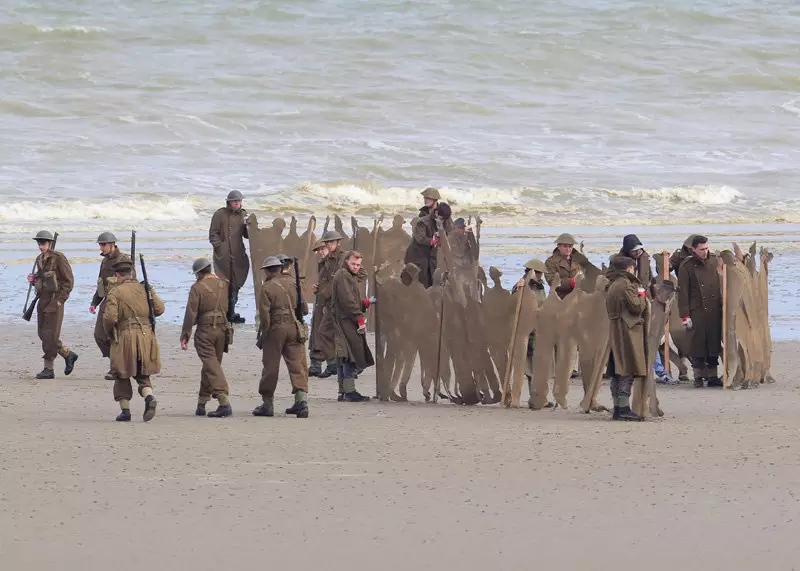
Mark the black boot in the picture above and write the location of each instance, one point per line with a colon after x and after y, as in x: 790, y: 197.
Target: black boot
x: 625, y: 413
x: 109, y: 376
x: 300, y: 409
x: 264, y: 410
x: 69, y: 361
x: 329, y: 371
x: 46, y: 374
x: 200, y: 410
x: 149, y: 408
x: 615, y: 416
x: 341, y: 397
x: 714, y: 382
x: 222, y: 411
x: 124, y: 416
x: 354, y: 396
x: 238, y: 319
x: 699, y: 382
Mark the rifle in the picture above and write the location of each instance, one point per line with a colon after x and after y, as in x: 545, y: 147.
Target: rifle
x: 27, y: 311
x: 150, y: 306
x: 133, y: 245
x: 298, y: 309
x: 231, y: 300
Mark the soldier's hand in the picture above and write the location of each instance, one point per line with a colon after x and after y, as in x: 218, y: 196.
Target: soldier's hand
x: 92, y: 309
x: 362, y: 326
x: 184, y: 344
x: 520, y: 283
x: 315, y: 288
x: 31, y: 278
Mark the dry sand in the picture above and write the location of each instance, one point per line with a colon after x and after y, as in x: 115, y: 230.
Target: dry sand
x: 713, y: 485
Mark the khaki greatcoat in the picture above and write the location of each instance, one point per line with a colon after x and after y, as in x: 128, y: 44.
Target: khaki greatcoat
x: 700, y: 297
x: 629, y: 317
x: 226, y: 234
x: 347, y: 310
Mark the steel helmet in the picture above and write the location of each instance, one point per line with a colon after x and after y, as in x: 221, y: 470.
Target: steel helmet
x: 106, y: 238
x: 566, y: 239
x: 272, y: 262
x: 234, y: 195
x: 431, y: 193
x: 535, y: 265
x: 44, y: 235
x: 200, y: 264
x: 317, y: 245
x: 331, y: 236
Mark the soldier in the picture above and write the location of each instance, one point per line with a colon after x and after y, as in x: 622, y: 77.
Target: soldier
x: 324, y: 341
x: 53, y: 282
x: 282, y: 336
x: 679, y: 255
x: 535, y: 282
x: 287, y: 263
x: 632, y: 248
x: 628, y: 312
x: 315, y: 354
x: 350, y: 322
x: 134, y: 347
x: 431, y: 198
x: 105, y: 281
x: 423, y: 250
x: 563, y: 266
x: 226, y: 234
x: 700, y: 307
x: 208, y: 309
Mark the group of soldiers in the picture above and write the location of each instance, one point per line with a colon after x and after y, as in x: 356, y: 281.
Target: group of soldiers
x: 125, y: 331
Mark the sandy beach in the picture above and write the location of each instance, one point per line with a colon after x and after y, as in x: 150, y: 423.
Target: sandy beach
x: 712, y: 485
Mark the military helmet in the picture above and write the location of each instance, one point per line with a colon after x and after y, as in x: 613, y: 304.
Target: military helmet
x: 121, y: 264
x: 317, y: 245
x: 535, y: 265
x: 431, y: 193
x: 234, y: 195
x: 106, y: 238
x: 271, y: 262
x: 331, y: 236
x: 283, y: 258
x: 566, y: 239
x: 200, y: 264
x: 44, y: 235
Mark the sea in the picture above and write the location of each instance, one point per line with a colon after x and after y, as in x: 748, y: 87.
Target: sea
x: 596, y: 117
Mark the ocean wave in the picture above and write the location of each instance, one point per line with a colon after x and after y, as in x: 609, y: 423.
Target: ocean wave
x: 708, y: 195
x: 21, y: 30
x: 133, y: 210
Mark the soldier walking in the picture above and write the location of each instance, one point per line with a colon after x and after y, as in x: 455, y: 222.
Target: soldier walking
x: 350, y: 323
x: 105, y: 281
x: 700, y: 307
x: 628, y: 312
x: 281, y: 337
x: 208, y: 309
x: 53, y: 282
x: 134, y: 347
x: 226, y: 234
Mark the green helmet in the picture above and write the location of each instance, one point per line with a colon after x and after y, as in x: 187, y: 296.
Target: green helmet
x: 271, y: 262
x: 234, y: 195
x: 200, y: 264
x: 44, y: 235
x: 106, y: 238
x: 331, y: 236
x: 568, y: 239
x: 535, y: 265
x: 431, y: 193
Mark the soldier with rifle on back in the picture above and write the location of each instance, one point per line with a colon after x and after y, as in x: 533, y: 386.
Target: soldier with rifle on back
x: 53, y: 283
x: 208, y: 309
x: 105, y: 281
x: 129, y: 320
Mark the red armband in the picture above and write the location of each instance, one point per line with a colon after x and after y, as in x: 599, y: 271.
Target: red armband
x: 366, y: 303
x: 362, y: 322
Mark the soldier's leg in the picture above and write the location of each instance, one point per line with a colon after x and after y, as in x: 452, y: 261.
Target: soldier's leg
x: 146, y: 392
x: 327, y: 343
x: 123, y: 393
x: 623, y: 399
x: 100, y: 337
x: 209, y: 344
x: 44, y: 327
x: 274, y: 340
x: 294, y: 355
x: 348, y: 373
x: 712, y: 372
x: 699, y: 370
x: 69, y: 356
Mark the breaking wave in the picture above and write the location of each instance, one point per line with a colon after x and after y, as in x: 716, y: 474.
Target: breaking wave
x: 167, y: 209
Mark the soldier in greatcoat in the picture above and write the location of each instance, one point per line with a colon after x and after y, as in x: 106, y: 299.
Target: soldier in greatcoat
x: 324, y: 341
x: 316, y: 355
x: 226, y: 234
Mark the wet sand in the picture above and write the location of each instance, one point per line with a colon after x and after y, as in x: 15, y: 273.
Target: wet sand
x: 713, y: 485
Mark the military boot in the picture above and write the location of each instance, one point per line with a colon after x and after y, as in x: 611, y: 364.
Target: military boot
x: 238, y: 319
x: 222, y: 411
x: 329, y: 371
x: 264, y: 409
x: 299, y: 409
x: 46, y: 374
x: 626, y: 414
x: 69, y: 362
x: 354, y: 396
x: 615, y: 415
x: 315, y: 369
x: 150, y: 404
x: 714, y: 382
x: 200, y: 410
x: 109, y: 376
x: 124, y: 415
x: 699, y: 382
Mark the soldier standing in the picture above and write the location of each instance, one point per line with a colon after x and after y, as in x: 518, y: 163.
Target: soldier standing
x: 700, y: 306
x: 53, y: 282
x: 134, y: 347
x: 679, y: 255
x: 325, y: 341
x: 633, y: 248
x: 226, y: 234
x: 423, y: 251
x: 563, y: 266
x: 350, y: 322
x: 281, y: 337
x: 315, y: 353
x: 208, y: 309
x: 627, y: 305
x: 105, y: 281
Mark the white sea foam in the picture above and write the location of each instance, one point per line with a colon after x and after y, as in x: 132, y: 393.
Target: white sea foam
x: 75, y: 210
x: 707, y: 195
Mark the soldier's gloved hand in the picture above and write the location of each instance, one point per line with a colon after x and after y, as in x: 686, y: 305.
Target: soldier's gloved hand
x: 572, y: 283
x: 641, y: 292
x: 92, y: 309
x: 687, y: 323
x: 362, y: 326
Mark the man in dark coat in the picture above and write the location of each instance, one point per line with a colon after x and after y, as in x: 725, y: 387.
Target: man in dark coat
x: 700, y: 307
x: 679, y: 255
x: 226, y: 234
x: 629, y: 316
x: 349, y: 316
x: 632, y: 248
x: 423, y: 251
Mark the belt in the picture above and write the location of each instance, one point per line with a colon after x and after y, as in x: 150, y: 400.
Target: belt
x: 132, y: 323
x: 212, y: 318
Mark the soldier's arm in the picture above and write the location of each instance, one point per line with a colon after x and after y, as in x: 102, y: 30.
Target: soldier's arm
x: 190, y: 315
x: 214, y: 232
x: 66, y: 280
x: 684, y: 286
x: 635, y: 304
x: 158, y: 305
x: 419, y: 234
x: 110, y: 314
x: 553, y: 276
x: 263, y: 309
x: 348, y: 298
x: 96, y: 299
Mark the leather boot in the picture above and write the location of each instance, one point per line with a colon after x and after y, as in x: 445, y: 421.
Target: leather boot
x: 238, y: 319
x: 109, y: 376
x: 354, y: 396
x: 200, y: 410
x: 150, y: 404
x: 222, y: 411
x: 264, y: 409
x: 626, y: 414
x: 699, y: 382
x: 46, y: 374
x: 714, y: 382
x: 329, y: 371
x: 69, y: 362
x: 315, y: 369
x: 124, y: 415
x: 615, y: 416
x: 299, y: 409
